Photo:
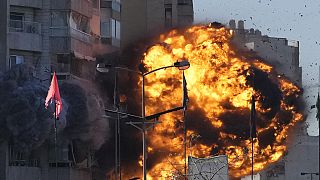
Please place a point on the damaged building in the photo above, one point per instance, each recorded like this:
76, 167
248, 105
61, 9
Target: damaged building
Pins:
283, 54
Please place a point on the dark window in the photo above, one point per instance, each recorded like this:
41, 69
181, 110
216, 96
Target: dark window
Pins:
183, 2
15, 59
16, 20
168, 16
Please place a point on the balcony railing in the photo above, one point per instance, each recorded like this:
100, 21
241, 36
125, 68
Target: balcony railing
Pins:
24, 26
65, 31
80, 35
27, 163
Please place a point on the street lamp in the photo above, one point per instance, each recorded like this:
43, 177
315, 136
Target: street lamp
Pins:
181, 65
304, 173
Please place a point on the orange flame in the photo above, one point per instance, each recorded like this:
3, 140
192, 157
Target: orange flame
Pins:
218, 84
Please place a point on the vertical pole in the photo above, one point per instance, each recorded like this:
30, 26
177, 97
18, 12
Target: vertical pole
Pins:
115, 126
55, 136
119, 143
251, 136
252, 158
143, 132
185, 143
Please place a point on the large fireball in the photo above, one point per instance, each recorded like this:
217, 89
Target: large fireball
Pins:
220, 86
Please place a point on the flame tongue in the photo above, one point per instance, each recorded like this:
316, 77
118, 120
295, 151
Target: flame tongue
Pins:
220, 86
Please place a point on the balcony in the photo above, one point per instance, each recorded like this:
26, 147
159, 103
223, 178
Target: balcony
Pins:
27, 3
67, 40
24, 35
82, 36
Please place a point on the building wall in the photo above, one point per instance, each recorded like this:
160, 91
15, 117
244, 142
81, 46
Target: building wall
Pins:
4, 9
3, 160
302, 157
184, 12
27, 3
133, 21
156, 17
26, 173
275, 51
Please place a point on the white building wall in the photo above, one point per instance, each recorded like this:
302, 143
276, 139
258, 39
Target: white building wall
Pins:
303, 157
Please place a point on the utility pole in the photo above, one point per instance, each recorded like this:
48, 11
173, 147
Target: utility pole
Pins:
181, 65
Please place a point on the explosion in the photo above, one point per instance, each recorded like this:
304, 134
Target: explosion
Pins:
220, 86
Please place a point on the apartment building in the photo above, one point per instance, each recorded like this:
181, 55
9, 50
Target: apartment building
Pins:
50, 35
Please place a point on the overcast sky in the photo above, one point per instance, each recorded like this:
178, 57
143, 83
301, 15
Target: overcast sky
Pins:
292, 19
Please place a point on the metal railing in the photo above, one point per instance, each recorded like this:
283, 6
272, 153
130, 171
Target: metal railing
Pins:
25, 163
64, 31
24, 26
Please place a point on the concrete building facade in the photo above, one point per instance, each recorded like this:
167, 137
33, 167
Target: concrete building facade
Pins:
49, 35
303, 150
282, 53
125, 22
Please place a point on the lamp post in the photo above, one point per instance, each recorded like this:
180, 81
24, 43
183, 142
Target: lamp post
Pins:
304, 173
181, 65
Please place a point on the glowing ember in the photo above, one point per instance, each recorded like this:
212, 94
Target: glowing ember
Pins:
220, 86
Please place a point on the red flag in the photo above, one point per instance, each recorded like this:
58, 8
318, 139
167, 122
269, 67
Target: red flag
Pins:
54, 94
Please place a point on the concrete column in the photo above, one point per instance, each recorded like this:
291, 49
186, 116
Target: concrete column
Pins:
4, 51
3, 160
44, 161
45, 21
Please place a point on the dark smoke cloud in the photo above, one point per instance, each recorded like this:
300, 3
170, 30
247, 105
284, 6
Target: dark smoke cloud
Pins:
26, 124
85, 123
24, 120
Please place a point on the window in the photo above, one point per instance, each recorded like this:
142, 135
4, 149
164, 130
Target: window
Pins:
80, 22
95, 4
16, 20
168, 16
59, 18
105, 29
183, 2
115, 29
15, 59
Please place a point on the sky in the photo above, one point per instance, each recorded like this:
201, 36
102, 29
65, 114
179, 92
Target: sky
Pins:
292, 19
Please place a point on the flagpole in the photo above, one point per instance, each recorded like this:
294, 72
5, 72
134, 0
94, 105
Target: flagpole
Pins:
185, 143
185, 101
55, 136
252, 133
54, 95
252, 158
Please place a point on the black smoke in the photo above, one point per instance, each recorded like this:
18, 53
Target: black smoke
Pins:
24, 121
26, 124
